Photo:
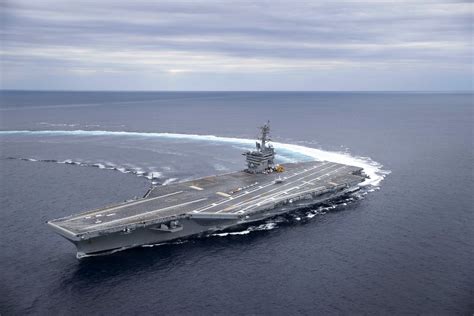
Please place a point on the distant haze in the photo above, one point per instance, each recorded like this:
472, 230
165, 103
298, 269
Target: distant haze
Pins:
236, 45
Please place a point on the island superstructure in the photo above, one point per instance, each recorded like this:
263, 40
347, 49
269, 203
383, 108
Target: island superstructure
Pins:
210, 204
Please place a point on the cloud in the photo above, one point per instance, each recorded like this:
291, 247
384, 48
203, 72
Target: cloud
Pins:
222, 37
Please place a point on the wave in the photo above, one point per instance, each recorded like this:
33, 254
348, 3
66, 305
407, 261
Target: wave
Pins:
267, 226
372, 169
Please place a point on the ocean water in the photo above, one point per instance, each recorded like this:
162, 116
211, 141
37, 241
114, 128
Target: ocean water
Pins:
404, 245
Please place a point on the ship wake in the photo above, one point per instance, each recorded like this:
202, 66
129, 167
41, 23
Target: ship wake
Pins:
287, 152
137, 171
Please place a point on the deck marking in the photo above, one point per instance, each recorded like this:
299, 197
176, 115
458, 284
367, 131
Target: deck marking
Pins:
255, 198
196, 188
227, 209
122, 206
223, 194
273, 197
149, 212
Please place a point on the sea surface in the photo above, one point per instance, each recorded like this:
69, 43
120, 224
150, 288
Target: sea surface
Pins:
403, 245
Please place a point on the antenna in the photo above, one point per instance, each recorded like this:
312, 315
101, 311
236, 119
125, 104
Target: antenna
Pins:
265, 129
152, 178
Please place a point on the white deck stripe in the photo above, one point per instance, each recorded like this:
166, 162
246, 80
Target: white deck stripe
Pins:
291, 182
143, 214
274, 197
122, 206
269, 184
257, 197
196, 188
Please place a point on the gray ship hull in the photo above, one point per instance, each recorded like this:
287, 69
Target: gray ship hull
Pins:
206, 205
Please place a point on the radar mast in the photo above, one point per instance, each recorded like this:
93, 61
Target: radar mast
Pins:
261, 159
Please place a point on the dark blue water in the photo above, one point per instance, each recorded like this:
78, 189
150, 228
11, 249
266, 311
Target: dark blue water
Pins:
405, 248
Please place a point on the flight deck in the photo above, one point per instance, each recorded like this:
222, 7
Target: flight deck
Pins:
225, 196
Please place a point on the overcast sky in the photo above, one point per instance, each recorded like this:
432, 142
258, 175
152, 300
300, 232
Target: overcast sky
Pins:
236, 45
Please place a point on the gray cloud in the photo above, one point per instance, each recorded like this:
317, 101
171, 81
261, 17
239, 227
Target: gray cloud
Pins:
78, 38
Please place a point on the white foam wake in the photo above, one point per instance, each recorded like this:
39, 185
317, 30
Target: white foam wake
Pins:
371, 168
150, 175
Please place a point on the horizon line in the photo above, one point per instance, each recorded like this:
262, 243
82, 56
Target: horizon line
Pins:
224, 91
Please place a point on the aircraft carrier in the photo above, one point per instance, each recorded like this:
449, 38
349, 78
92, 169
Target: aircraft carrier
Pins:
210, 204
